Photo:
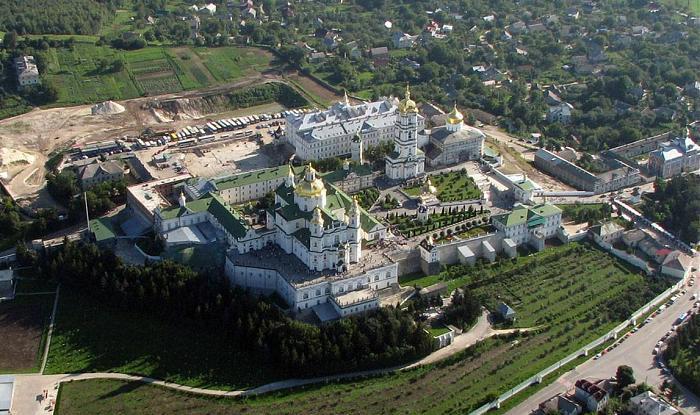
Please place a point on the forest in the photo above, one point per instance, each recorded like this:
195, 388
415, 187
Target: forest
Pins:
81, 17
384, 337
675, 204
683, 354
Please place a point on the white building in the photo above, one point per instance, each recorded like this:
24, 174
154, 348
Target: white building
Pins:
529, 225
407, 160
677, 156
27, 71
647, 403
307, 248
329, 133
454, 142
677, 265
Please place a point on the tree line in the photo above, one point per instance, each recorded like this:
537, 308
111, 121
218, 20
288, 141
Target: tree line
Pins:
174, 292
683, 354
676, 205
81, 17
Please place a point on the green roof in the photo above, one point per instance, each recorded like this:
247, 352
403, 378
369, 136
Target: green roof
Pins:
532, 216
546, 209
341, 174
103, 229
193, 206
223, 212
243, 179
526, 185
227, 217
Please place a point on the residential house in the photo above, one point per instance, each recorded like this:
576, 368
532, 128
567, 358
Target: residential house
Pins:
507, 313
209, 9
648, 403
550, 98
315, 57
488, 76
330, 40
353, 50
572, 13
559, 404
692, 89
640, 30
677, 265
560, 113
536, 27
7, 284
608, 232
517, 27
591, 395
403, 40
409, 63
27, 71
100, 172
380, 56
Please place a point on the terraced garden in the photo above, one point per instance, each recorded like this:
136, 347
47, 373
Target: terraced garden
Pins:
451, 187
574, 293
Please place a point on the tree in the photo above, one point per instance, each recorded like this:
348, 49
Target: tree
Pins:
9, 41
625, 376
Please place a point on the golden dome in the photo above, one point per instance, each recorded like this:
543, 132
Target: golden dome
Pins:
311, 185
407, 104
455, 117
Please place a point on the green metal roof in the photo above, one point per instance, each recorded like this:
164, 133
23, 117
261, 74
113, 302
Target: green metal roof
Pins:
243, 179
224, 213
227, 217
546, 209
532, 216
526, 185
103, 229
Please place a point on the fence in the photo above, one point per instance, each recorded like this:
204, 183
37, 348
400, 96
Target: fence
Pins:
612, 334
629, 258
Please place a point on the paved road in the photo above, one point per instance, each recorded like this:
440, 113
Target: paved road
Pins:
636, 352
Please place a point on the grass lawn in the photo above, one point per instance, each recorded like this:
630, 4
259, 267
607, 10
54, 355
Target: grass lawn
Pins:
23, 324
230, 63
694, 5
451, 187
568, 291
90, 337
437, 329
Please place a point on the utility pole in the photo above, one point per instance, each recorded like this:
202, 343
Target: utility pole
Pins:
87, 213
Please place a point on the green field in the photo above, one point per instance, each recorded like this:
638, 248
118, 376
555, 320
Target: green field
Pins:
573, 293
77, 75
692, 5
90, 337
451, 187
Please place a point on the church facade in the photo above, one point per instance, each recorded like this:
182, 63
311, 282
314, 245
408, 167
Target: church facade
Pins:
454, 142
